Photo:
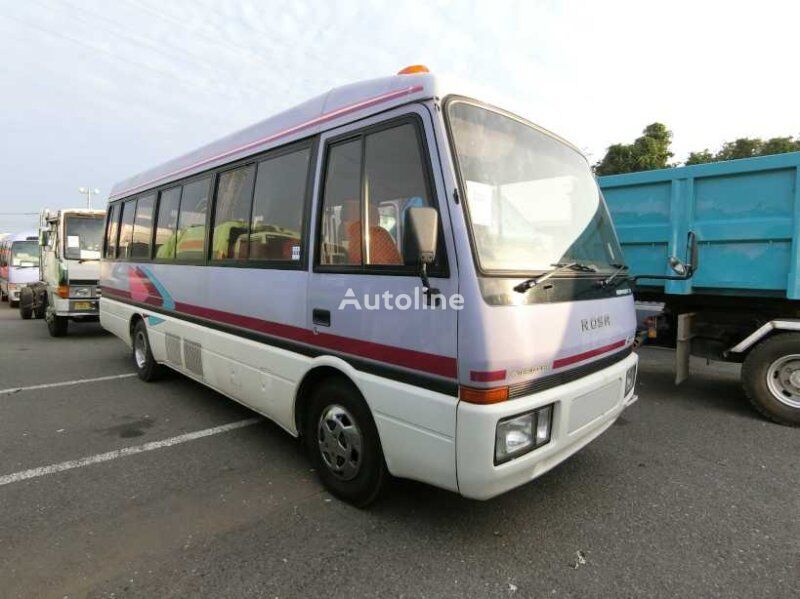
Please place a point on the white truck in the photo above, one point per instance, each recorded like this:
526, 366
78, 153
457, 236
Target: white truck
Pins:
70, 241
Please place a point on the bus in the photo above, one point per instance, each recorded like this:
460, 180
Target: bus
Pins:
413, 281
19, 264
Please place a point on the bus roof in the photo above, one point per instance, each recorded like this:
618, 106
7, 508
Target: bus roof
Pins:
330, 110
338, 106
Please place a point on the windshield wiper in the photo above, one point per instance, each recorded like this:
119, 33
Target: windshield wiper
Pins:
610, 278
532, 282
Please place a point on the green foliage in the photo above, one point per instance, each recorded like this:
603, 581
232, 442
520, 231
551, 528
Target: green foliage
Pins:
650, 151
746, 147
701, 157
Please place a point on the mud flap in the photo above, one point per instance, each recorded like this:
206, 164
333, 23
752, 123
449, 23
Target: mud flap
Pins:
683, 346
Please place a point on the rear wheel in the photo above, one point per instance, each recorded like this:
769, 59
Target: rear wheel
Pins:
26, 303
771, 378
343, 444
146, 366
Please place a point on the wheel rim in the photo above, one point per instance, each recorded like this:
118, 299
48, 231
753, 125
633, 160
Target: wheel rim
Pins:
783, 380
140, 349
340, 442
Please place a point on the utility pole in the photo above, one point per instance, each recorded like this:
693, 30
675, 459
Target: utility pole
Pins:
89, 192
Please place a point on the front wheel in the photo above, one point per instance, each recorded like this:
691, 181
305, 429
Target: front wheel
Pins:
146, 366
57, 325
343, 444
771, 378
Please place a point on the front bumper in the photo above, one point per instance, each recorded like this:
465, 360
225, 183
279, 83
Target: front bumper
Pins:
76, 307
583, 409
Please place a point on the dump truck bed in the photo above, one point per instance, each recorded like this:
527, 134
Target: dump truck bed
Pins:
746, 214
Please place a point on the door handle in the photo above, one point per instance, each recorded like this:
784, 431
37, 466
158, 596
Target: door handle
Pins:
321, 317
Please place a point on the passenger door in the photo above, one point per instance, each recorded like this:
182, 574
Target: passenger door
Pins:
366, 300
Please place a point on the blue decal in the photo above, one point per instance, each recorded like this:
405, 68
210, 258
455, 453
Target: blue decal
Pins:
169, 303
154, 320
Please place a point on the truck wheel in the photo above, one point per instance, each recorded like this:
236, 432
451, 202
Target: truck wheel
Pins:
40, 310
146, 366
26, 303
771, 378
343, 444
57, 325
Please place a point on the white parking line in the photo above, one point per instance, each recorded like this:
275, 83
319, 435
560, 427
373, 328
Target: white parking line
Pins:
65, 383
125, 451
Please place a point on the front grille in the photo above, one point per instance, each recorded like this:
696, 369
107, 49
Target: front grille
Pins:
554, 380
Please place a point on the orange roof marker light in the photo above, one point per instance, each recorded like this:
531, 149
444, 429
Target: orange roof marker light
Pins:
414, 69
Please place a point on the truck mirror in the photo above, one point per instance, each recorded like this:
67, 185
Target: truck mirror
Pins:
685, 268
422, 232
43, 238
694, 256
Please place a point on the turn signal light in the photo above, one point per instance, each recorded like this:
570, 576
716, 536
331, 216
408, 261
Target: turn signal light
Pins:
414, 69
63, 291
483, 396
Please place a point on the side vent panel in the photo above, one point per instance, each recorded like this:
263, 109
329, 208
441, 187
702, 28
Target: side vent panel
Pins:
173, 345
193, 357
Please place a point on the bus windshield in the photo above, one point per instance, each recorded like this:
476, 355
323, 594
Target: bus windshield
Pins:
83, 238
25, 254
533, 202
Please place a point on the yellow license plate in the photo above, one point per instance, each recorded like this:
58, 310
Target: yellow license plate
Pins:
83, 305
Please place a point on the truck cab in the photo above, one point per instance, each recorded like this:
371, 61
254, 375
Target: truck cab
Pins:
69, 242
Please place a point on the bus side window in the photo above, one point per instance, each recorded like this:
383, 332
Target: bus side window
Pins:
190, 244
394, 175
277, 223
341, 205
126, 229
143, 228
112, 231
232, 213
166, 224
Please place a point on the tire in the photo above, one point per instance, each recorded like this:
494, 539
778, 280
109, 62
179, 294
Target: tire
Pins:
771, 378
40, 310
26, 303
58, 326
146, 366
350, 464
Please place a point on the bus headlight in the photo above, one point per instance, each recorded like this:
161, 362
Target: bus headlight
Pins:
517, 435
630, 379
80, 292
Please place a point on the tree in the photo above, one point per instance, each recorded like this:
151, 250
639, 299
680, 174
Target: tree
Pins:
744, 147
701, 157
650, 151
780, 145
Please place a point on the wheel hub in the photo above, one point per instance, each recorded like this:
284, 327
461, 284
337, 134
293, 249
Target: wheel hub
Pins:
140, 349
783, 380
340, 442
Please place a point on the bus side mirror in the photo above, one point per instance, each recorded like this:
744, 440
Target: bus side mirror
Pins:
43, 238
420, 242
422, 232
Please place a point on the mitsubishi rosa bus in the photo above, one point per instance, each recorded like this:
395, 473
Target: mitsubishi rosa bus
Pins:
19, 264
415, 282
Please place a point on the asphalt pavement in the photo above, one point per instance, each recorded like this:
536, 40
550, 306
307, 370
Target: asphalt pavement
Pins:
115, 487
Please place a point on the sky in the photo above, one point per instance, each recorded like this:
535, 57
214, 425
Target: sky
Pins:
92, 92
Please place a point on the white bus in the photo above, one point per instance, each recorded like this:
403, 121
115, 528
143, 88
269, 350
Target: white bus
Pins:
413, 281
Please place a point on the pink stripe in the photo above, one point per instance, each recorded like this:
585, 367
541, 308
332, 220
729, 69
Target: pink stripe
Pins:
560, 362
315, 121
444, 366
487, 376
